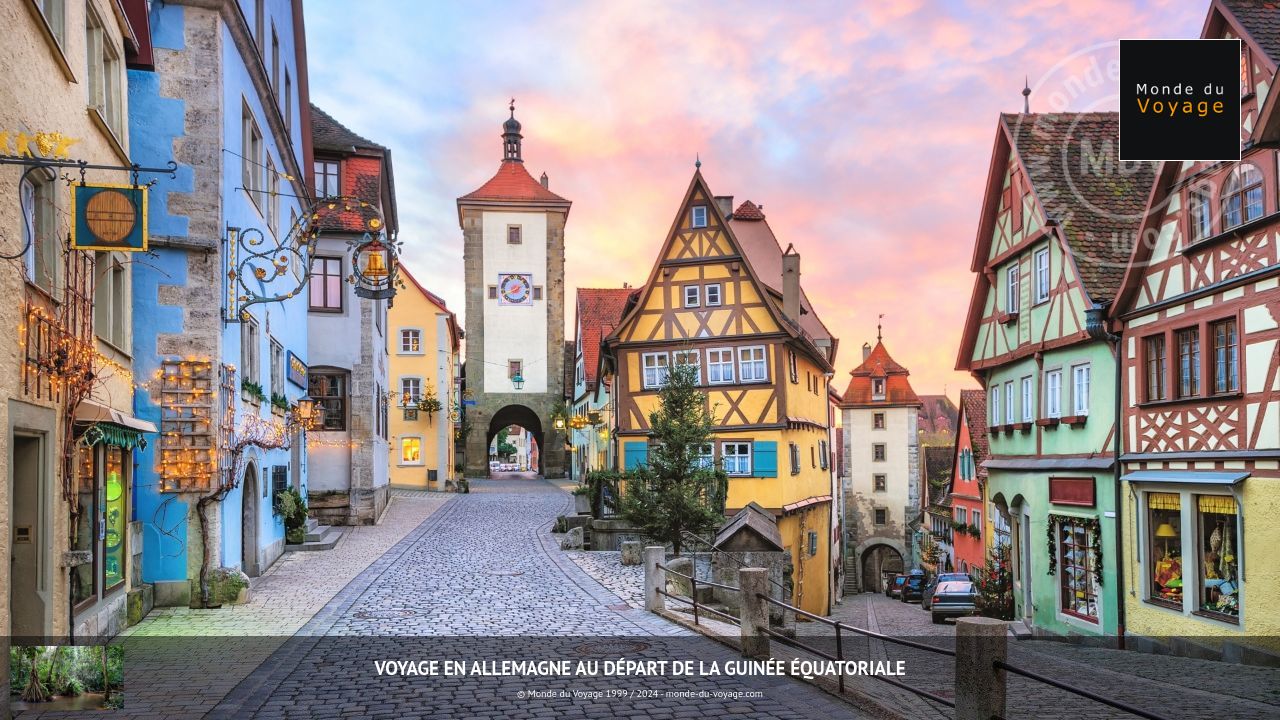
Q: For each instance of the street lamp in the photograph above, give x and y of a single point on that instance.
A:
(518, 381)
(559, 423)
(308, 411)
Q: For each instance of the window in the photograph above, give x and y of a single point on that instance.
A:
(1188, 362)
(751, 364)
(514, 368)
(1008, 403)
(411, 451)
(514, 235)
(962, 515)
(720, 366)
(104, 73)
(111, 301)
(1217, 527)
(795, 458)
(878, 452)
(881, 482)
(275, 59)
(995, 405)
(1156, 367)
(54, 12)
(792, 369)
(1080, 390)
(1201, 214)
(249, 340)
(712, 292)
(1013, 289)
(493, 292)
(1164, 548)
(813, 543)
(327, 179)
(1242, 196)
(277, 368)
(330, 390)
(286, 97)
(877, 421)
(823, 452)
(692, 296)
(252, 160)
(259, 37)
(656, 370)
(279, 483)
(699, 216)
(1042, 274)
(537, 292)
(410, 341)
(410, 390)
(882, 516)
(1246, 77)
(976, 521)
(326, 284)
(691, 358)
(877, 389)
(1079, 593)
(736, 457)
(1028, 410)
(1226, 357)
(40, 230)
(1053, 394)
(706, 457)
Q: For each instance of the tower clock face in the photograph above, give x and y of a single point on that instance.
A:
(515, 289)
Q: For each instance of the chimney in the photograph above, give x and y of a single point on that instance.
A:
(725, 203)
(866, 351)
(546, 182)
(791, 285)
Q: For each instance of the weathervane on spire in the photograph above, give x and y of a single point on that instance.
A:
(1026, 95)
(512, 107)
(878, 333)
(697, 161)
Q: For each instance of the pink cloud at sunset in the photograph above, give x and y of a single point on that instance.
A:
(865, 130)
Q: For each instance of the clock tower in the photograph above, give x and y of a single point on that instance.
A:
(513, 255)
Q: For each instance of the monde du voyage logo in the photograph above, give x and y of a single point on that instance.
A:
(1180, 100)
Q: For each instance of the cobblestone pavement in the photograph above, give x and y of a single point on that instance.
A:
(480, 578)
(606, 568)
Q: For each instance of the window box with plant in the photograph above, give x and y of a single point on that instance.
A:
(252, 392)
(279, 404)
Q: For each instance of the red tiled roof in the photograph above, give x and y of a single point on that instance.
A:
(1261, 19)
(513, 182)
(758, 243)
(878, 364)
(974, 403)
(937, 414)
(599, 312)
(748, 211)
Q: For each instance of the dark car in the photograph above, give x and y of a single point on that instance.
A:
(954, 598)
(912, 589)
(895, 586)
(926, 601)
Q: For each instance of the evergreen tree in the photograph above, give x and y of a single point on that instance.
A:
(676, 491)
(995, 585)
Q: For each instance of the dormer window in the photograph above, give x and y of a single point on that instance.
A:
(699, 216)
(1242, 196)
(877, 389)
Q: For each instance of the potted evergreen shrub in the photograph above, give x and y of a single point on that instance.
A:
(581, 499)
(292, 507)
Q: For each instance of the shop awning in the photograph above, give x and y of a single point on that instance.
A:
(1186, 477)
(111, 426)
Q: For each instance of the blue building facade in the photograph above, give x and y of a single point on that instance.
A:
(227, 102)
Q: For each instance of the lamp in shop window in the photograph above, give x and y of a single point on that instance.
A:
(1166, 531)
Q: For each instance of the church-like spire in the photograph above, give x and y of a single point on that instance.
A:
(1026, 96)
(511, 136)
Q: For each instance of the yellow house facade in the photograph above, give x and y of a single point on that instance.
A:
(724, 296)
(423, 370)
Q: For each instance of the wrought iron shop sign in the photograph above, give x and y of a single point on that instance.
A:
(109, 217)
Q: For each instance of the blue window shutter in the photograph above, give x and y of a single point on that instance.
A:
(635, 454)
(764, 458)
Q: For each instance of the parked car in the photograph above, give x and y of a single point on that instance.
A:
(912, 589)
(926, 601)
(895, 586)
(887, 577)
(954, 598)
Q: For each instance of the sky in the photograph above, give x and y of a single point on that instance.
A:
(865, 129)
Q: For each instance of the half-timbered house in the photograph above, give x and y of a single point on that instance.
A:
(1058, 218)
(725, 297)
(1200, 313)
(968, 482)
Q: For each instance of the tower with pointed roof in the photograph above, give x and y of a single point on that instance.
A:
(881, 482)
(513, 257)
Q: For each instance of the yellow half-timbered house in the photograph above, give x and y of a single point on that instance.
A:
(724, 296)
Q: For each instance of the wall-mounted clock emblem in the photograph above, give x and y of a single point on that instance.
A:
(515, 289)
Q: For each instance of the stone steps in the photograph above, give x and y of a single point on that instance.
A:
(318, 537)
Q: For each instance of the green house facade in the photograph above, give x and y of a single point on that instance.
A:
(1057, 224)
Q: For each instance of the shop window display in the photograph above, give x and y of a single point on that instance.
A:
(1164, 520)
(1217, 522)
(113, 519)
(83, 586)
(1079, 591)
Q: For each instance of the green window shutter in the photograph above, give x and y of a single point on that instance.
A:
(764, 458)
(635, 454)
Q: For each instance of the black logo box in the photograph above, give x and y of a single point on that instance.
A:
(1161, 77)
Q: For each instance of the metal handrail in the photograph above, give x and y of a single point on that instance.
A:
(1079, 691)
(693, 588)
(860, 631)
(737, 561)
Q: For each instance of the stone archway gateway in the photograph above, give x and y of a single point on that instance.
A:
(525, 418)
(877, 560)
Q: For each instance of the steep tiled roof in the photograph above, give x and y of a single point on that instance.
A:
(937, 414)
(879, 364)
(974, 403)
(938, 468)
(1100, 209)
(513, 182)
(599, 311)
(757, 241)
(329, 134)
(748, 211)
(1261, 19)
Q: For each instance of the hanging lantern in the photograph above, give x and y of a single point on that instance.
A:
(518, 381)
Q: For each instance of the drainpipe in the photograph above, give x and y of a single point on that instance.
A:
(1096, 325)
